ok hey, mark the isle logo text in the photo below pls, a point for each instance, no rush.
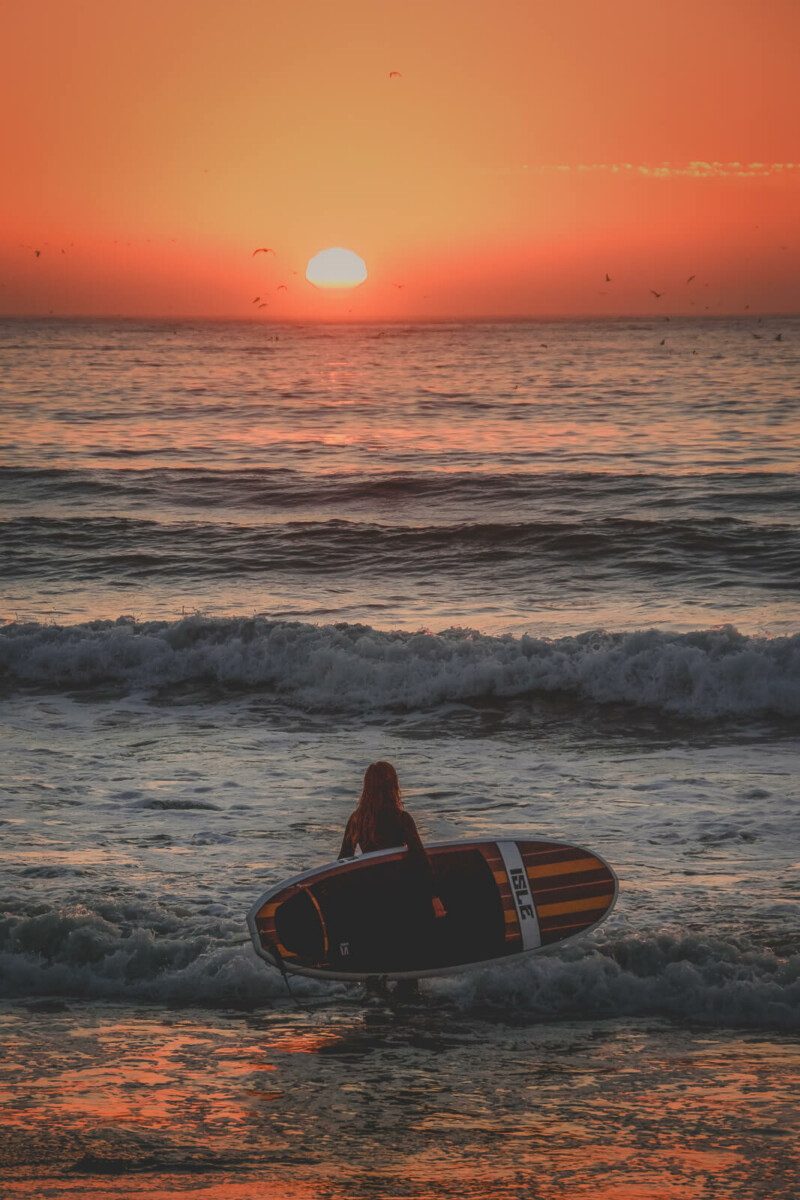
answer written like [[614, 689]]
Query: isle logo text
[[522, 893]]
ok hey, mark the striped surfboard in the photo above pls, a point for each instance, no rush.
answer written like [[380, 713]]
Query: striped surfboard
[[368, 916]]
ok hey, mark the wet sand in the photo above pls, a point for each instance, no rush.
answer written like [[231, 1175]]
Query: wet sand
[[341, 1102]]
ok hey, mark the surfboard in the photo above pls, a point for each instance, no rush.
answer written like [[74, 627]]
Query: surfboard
[[365, 915]]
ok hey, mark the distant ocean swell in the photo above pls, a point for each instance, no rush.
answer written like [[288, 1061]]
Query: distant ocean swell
[[129, 952], [357, 669], [711, 553], [261, 488]]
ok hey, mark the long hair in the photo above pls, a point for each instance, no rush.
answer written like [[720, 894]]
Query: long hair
[[379, 801]]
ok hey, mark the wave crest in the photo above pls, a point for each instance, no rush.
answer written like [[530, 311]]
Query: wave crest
[[354, 668]]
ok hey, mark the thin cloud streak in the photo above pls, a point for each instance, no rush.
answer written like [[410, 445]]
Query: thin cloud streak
[[664, 170]]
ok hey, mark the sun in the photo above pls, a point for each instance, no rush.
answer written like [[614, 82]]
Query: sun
[[336, 268]]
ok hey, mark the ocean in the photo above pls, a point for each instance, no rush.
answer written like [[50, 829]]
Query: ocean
[[550, 571]]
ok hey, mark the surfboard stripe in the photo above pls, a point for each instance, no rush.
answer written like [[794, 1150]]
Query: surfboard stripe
[[568, 867], [544, 853], [513, 935], [315, 902], [574, 920], [573, 906], [593, 870], [269, 937], [574, 890], [268, 929]]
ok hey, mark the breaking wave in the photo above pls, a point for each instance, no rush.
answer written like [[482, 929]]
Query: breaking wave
[[119, 952], [705, 674]]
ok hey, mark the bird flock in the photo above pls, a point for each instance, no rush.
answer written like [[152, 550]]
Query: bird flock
[[262, 303]]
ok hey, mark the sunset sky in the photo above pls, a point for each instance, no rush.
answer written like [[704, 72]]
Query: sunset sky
[[524, 151]]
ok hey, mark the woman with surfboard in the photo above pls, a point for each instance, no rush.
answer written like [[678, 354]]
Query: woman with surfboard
[[380, 822], [372, 917]]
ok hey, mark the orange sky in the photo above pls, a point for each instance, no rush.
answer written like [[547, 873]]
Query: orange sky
[[527, 149]]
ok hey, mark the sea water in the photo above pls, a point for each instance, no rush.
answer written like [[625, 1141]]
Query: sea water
[[549, 571]]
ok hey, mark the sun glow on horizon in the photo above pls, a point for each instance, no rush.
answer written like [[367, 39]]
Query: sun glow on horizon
[[336, 268], [488, 163]]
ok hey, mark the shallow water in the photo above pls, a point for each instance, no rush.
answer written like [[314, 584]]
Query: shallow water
[[556, 586], [415, 1102]]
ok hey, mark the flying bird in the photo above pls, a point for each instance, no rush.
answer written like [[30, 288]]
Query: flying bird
[[657, 295], [689, 280], [398, 285], [262, 250], [608, 277], [263, 305], [37, 253], [281, 288], [395, 75], [256, 300]]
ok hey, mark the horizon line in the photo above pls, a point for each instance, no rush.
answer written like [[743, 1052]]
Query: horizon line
[[510, 319]]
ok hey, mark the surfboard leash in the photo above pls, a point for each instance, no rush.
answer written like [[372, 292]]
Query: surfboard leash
[[275, 952]]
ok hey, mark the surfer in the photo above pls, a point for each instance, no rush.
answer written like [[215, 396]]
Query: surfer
[[379, 823]]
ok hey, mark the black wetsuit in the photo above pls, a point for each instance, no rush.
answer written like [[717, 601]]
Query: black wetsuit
[[406, 923], [395, 829]]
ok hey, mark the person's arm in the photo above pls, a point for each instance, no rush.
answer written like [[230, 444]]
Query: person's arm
[[348, 844], [418, 855]]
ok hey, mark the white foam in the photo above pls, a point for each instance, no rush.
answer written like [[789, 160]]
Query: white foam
[[689, 977], [705, 674], [154, 955], [79, 953]]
